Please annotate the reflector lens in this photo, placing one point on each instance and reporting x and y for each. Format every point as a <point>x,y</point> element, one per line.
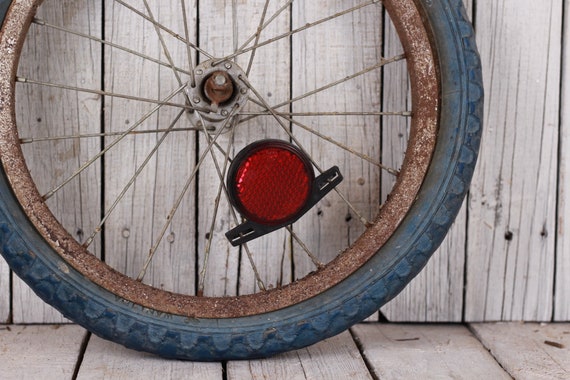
<point>272,182</point>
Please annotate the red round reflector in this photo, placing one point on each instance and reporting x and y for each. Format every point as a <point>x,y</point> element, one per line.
<point>270,182</point>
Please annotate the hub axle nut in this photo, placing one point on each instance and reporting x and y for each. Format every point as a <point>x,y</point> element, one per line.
<point>219,87</point>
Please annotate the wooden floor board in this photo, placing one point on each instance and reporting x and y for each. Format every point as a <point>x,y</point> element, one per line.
<point>426,352</point>
<point>328,359</point>
<point>529,351</point>
<point>39,352</point>
<point>4,291</point>
<point>107,360</point>
<point>372,351</point>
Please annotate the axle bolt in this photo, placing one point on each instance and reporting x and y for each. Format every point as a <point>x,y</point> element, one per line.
<point>219,87</point>
<point>220,79</point>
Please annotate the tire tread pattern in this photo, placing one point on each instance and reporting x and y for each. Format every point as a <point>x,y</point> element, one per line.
<point>139,331</point>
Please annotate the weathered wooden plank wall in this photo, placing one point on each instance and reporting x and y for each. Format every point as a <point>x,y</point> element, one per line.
<point>562,285</point>
<point>512,208</point>
<point>5,295</point>
<point>58,50</point>
<point>436,294</point>
<point>508,255</point>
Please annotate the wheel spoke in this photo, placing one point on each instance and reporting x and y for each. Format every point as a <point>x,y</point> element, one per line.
<point>269,21</point>
<point>167,30</point>
<point>178,201</point>
<point>111,44</point>
<point>298,30</point>
<point>202,275</point>
<point>164,47</point>
<point>362,219</point>
<point>87,164</point>
<point>257,36</point>
<point>332,113</point>
<point>132,180</point>
<point>325,118</point>
<point>30,140</point>
<point>161,103</point>
<point>383,62</point>
<point>188,47</point>
<point>343,146</point>
<point>258,278</point>
<point>306,249</point>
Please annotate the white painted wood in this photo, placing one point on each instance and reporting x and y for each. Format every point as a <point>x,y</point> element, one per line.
<point>216,21</point>
<point>5,295</point>
<point>514,190</point>
<point>529,350</point>
<point>44,112</point>
<point>29,308</point>
<point>436,294</point>
<point>138,221</point>
<point>510,260</point>
<point>395,134</point>
<point>39,352</point>
<point>426,352</point>
<point>562,285</point>
<point>331,52</point>
<point>107,360</point>
<point>270,76</point>
<point>334,358</point>
<point>225,27</point>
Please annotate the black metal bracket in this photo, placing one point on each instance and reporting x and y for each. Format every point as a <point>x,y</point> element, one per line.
<point>322,185</point>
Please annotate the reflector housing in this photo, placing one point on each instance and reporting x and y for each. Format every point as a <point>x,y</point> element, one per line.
<point>270,182</point>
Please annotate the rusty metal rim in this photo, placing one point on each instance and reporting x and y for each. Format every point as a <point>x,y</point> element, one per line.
<point>424,79</point>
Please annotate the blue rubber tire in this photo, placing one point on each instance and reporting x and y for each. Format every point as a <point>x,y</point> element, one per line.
<point>331,312</point>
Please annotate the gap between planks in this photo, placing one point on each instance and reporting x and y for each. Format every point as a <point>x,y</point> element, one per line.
<point>368,351</point>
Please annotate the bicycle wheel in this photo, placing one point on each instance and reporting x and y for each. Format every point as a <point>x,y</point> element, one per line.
<point>165,137</point>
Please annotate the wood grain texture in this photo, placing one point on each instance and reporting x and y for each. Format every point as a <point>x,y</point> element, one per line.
<point>40,352</point>
<point>510,257</point>
<point>107,360</point>
<point>52,112</point>
<point>5,312</point>
<point>333,51</point>
<point>436,294</point>
<point>435,352</point>
<point>217,21</point>
<point>225,27</point>
<point>140,220</point>
<point>562,285</point>
<point>528,350</point>
<point>512,207</point>
<point>334,358</point>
